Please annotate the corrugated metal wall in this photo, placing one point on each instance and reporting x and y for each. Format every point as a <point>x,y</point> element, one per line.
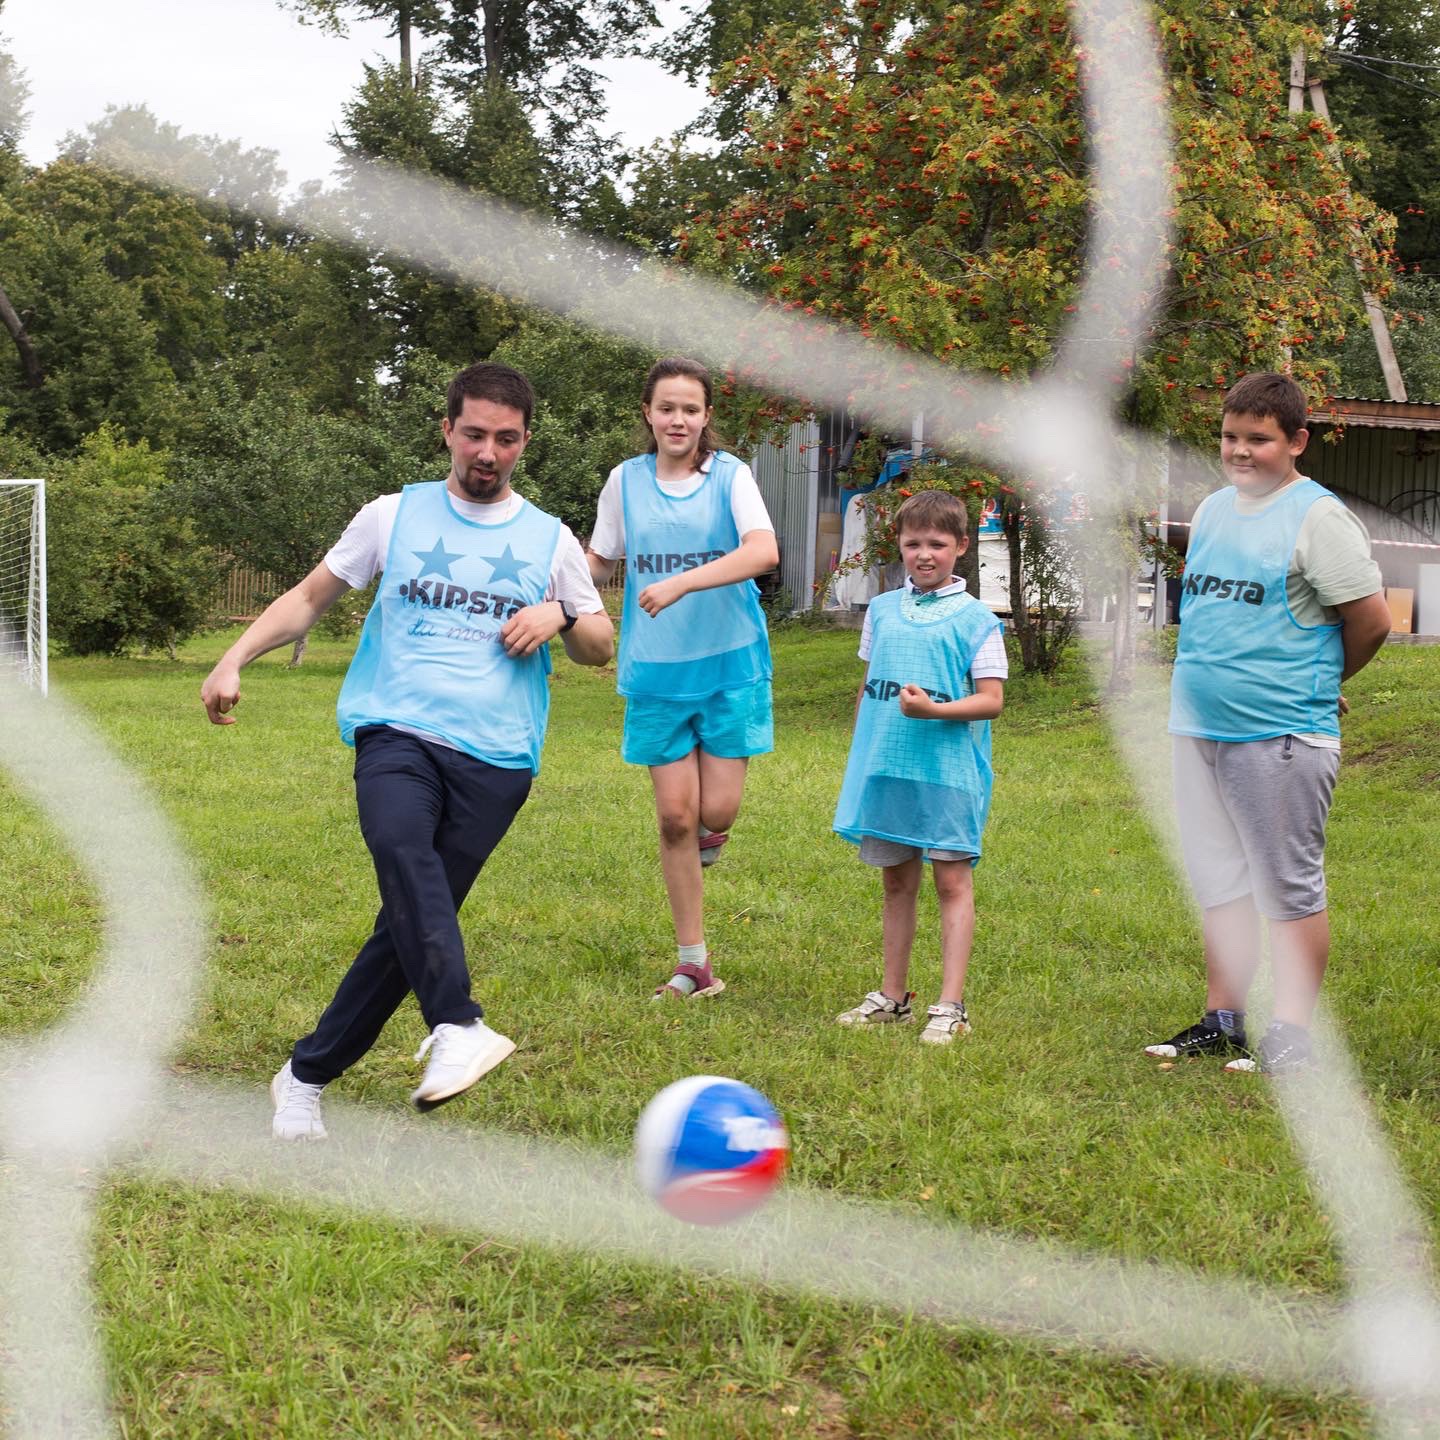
<point>787,478</point>
<point>1389,477</point>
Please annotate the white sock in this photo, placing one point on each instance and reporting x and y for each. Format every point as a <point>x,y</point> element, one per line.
<point>689,955</point>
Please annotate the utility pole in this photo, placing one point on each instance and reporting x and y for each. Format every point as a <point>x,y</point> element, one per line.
<point>1300,85</point>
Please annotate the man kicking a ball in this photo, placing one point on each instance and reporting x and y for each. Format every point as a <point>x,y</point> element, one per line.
<point>446,703</point>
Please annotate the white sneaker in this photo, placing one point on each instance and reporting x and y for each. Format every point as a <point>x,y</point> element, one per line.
<point>297,1108</point>
<point>877,1008</point>
<point>948,1021</point>
<point>463,1053</point>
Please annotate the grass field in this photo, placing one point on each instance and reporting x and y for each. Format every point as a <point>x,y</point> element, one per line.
<point>226,1316</point>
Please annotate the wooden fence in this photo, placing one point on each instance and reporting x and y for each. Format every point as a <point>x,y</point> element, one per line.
<point>246,593</point>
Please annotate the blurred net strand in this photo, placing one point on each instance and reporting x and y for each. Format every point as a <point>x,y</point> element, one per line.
<point>83,1095</point>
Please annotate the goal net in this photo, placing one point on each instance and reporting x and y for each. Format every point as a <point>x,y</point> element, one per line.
<point>22,581</point>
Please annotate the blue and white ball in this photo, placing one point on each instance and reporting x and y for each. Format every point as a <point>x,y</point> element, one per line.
<point>710,1150</point>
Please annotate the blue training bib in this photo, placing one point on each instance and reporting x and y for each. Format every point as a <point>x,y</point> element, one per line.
<point>916,782</point>
<point>1245,668</point>
<point>710,640</point>
<point>430,657</point>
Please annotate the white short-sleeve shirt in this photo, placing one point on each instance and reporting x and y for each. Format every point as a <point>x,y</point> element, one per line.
<point>990,662</point>
<point>747,506</point>
<point>358,556</point>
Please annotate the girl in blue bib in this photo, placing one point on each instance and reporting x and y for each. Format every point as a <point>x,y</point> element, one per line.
<point>694,656</point>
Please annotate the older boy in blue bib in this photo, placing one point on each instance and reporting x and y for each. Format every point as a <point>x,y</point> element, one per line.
<point>1280,602</point>
<point>917,784</point>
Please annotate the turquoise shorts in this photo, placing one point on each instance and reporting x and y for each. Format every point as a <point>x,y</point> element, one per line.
<point>731,726</point>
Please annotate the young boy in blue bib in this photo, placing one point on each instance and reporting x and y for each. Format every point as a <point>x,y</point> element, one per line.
<point>694,654</point>
<point>917,784</point>
<point>1281,601</point>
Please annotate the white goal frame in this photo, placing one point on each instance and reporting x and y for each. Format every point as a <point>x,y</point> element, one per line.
<point>33,668</point>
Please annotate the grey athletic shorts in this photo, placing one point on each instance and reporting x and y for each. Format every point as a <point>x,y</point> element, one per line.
<point>890,852</point>
<point>1252,821</point>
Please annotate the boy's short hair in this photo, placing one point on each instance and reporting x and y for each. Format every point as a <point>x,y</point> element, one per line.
<point>934,510</point>
<point>498,384</point>
<point>1269,396</point>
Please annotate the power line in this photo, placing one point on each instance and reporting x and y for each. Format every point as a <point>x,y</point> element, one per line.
<point>1355,64</point>
<point>1381,60</point>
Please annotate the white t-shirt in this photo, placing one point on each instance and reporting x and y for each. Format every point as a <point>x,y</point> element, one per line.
<point>358,556</point>
<point>990,662</point>
<point>747,506</point>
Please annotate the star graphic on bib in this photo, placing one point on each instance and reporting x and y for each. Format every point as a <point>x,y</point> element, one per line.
<point>504,567</point>
<point>437,560</point>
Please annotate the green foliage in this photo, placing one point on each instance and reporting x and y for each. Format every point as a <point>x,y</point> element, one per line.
<point>1413,310</point>
<point>273,484</point>
<point>1045,585</point>
<point>928,180</point>
<point>98,353</point>
<point>14,94</point>
<point>588,416</point>
<point>120,282</point>
<point>129,139</point>
<point>156,244</point>
<point>313,314</point>
<point>124,569</point>
<point>1393,112</point>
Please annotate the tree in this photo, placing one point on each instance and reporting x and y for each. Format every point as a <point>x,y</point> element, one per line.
<point>1414,311</point>
<point>232,187</point>
<point>272,484</point>
<point>587,418</point>
<point>1382,80</point>
<point>927,179</point>
<point>540,52</point>
<point>95,353</point>
<point>155,243</point>
<point>312,316</point>
<point>124,568</point>
<point>408,18</point>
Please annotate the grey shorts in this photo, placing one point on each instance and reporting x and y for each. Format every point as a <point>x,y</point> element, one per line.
<point>1252,821</point>
<point>885,853</point>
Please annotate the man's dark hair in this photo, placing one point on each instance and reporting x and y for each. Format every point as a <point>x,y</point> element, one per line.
<point>497,383</point>
<point>1268,396</point>
<point>933,510</point>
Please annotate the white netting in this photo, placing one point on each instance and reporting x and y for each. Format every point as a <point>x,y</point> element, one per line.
<point>22,580</point>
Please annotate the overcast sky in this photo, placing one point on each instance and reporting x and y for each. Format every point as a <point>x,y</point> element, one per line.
<point>245,70</point>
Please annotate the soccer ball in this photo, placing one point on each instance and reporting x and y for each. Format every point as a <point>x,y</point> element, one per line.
<point>710,1149</point>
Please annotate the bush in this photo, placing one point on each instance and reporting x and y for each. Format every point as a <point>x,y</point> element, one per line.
<point>125,569</point>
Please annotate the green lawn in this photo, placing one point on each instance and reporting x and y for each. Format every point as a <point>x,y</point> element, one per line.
<point>226,1316</point>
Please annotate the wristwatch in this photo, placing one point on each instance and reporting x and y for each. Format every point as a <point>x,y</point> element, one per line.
<point>570,615</point>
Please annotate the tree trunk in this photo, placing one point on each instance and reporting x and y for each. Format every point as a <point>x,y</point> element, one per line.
<point>1122,653</point>
<point>968,567</point>
<point>402,29</point>
<point>29,360</point>
<point>1019,609</point>
<point>493,46</point>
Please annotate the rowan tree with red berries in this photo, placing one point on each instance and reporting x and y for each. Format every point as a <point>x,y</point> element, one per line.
<point>927,178</point>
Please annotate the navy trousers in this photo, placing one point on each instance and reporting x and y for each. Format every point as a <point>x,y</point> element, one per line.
<point>430,816</point>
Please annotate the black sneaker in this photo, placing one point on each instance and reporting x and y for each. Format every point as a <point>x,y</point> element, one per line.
<point>1201,1039</point>
<point>1283,1049</point>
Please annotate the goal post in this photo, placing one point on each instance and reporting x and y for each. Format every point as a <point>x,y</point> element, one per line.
<point>23,629</point>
